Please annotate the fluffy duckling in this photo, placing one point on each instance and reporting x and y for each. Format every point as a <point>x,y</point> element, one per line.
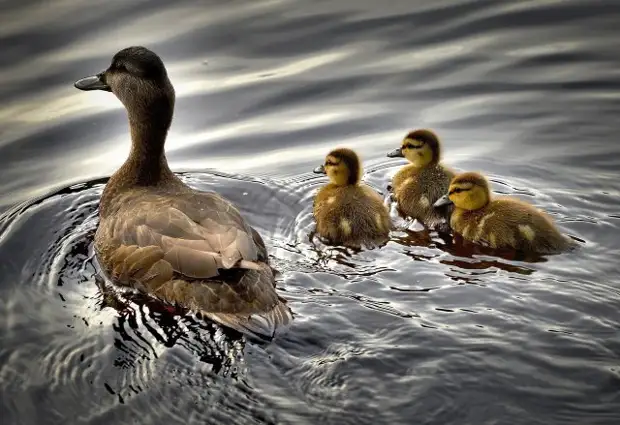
<point>346,211</point>
<point>499,222</point>
<point>418,185</point>
<point>156,234</point>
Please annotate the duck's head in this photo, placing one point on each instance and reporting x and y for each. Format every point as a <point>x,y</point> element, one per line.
<point>420,147</point>
<point>342,166</point>
<point>138,77</point>
<point>468,191</point>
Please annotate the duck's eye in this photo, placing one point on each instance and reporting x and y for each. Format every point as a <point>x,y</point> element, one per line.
<point>456,190</point>
<point>118,66</point>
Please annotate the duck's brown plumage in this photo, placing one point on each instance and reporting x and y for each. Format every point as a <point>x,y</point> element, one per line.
<point>417,187</point>
<point>501,222</point>
<point>346,211</point>
<point>158,235</point>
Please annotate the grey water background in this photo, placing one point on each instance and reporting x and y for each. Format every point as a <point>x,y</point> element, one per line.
<point>418,332</point>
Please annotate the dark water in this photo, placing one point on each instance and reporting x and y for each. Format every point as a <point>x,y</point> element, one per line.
<point>418,332</point>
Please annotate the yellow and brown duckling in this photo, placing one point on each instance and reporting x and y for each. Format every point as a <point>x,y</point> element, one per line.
<point>346,211</point>
<point>501,222</point>
<point>156,234</point>
<point>418,185</point>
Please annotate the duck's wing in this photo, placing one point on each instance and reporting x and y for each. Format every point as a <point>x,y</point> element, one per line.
<point>196,253</point>
<point>242,299</point>
<point>197,234</point>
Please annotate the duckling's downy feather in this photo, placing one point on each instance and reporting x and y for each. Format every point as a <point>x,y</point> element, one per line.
<point>502,222</point>
<point>510,222</point>
<point>416,190</point>
<point>359,206</point>
<point>418,185</point>
<point>346,211</point>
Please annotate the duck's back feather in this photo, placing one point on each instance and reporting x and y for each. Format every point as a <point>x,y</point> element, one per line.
<point>192,249</point>
<point>198,233</point>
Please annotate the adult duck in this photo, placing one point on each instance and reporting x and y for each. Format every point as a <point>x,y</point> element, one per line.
<point>156,234</point>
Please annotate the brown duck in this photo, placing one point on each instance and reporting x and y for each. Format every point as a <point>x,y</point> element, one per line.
<point>418,185</point>
<point>346,211</point>
<point>156,234</point>
<point>501,222</point>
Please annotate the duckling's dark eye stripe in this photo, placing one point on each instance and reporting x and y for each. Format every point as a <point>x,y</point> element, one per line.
<point>412,146</point>
<point>457,190</point>
<point>331,163</point>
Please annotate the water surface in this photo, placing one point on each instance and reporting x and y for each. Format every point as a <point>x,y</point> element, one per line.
<point>421,331</point>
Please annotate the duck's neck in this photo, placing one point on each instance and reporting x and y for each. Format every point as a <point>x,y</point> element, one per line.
<point>147,164</point>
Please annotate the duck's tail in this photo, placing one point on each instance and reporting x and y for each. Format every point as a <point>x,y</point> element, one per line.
<point>242,299</point>
<point>265,325</point>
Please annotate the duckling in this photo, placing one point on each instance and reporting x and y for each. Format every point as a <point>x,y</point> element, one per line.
<point>186,247</point>
<point>347,212</point>
<point>418,185</point>
<point>500,222</point>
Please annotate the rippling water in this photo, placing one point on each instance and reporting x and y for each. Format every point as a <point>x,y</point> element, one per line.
<point>421,331</point>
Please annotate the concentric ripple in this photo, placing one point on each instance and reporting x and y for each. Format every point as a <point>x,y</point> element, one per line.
<point>79,333</point>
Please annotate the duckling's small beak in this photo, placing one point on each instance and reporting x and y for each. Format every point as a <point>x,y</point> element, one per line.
<point>444,200</point>
<point>94,82</point>
<point>396,153</point>
<point>320,169</point>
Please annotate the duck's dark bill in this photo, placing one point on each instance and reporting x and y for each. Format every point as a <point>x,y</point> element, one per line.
<point>94,82</point>
<point>396,153</point>
<point>320,169</point>
<point>444,200</point>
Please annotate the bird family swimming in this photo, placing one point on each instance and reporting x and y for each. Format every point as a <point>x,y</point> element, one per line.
<point>158,235</point>
<point>419,184</point>
<point>348,212</point>
<point>194,249</point>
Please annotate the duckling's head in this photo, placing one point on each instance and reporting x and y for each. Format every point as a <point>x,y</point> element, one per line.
<point>420,147</point>
<point>138,77</point>
<point>342,166</point>
<point>468,191</point>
